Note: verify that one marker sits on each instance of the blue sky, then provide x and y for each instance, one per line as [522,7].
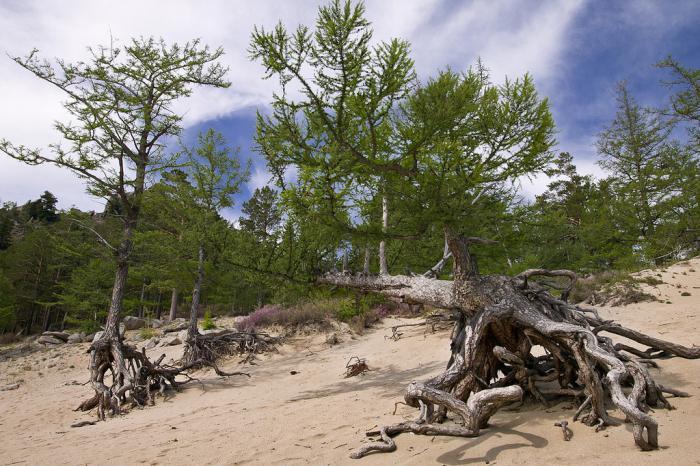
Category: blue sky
[576,50]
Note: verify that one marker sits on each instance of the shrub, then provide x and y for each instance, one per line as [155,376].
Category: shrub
[208,322]
[347,309]
[359,313]
[653,281]
[147,333]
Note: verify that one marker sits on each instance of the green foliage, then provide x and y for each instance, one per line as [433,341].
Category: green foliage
[443,153]
[208,322]
[358,128]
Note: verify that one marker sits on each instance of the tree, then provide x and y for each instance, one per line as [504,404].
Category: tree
[447,151]
[645,166]
[121,102]
[206,185]
[685,102]
[261,213]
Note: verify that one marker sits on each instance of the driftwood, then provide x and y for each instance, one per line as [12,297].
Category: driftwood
[355,366]
[499,320]
[430,321]
[568,433]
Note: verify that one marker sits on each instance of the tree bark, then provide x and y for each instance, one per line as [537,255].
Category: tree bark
[196,293]
[120,278]
[365,266]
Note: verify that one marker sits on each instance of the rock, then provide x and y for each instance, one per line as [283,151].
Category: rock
[48,340]
[155,323]
[133,323]
[76,338]
[97,336]
[175,326]
[89,336]
[182,335]
[13,386]
[170,341]
[152,343]
[122,329]
[215,332]
[63,336]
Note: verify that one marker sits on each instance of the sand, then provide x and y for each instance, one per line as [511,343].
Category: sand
[319,417]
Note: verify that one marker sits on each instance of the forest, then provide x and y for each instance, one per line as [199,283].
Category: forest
[385,189]
[56,273]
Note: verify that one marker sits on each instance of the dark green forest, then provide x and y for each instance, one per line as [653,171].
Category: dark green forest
[365,141]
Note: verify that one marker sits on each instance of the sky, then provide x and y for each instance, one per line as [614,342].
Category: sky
[576,51]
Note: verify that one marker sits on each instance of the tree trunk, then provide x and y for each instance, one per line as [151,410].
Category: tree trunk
[499,320]
[365,267]
[141,299]
[173,305]
[118,290]
[159,304]
[196,293]
[383,267]
[345,261]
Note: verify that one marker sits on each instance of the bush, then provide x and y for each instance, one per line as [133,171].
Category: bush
[208,322]
[358,313]
[147,333]
[653,281]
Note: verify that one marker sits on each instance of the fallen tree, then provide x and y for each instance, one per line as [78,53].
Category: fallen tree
[500,320]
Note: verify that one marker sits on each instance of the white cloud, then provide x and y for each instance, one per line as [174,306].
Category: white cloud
[259,178]
[510,40]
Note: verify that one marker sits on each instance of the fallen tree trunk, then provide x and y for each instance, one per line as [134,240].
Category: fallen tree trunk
[500,320]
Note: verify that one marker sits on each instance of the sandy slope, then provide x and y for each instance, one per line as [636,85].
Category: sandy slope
[318,417]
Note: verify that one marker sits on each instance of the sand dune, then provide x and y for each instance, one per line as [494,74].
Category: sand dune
[317,417]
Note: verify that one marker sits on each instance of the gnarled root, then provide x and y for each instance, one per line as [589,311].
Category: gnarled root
[121,376]
[474,414]
[208,349]
[500,320]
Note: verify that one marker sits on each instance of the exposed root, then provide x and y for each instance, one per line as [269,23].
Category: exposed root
[568,433]
[355,368]
[123,377]
[208,349]
[499,321]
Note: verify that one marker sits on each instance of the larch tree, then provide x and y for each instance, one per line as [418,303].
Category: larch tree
[122,107]
[650,175]
[202,189]
[445,151]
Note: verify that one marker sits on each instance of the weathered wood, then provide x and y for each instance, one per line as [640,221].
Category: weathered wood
[502,318]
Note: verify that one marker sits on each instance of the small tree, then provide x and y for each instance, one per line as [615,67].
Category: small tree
[122,106]
[201,190]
